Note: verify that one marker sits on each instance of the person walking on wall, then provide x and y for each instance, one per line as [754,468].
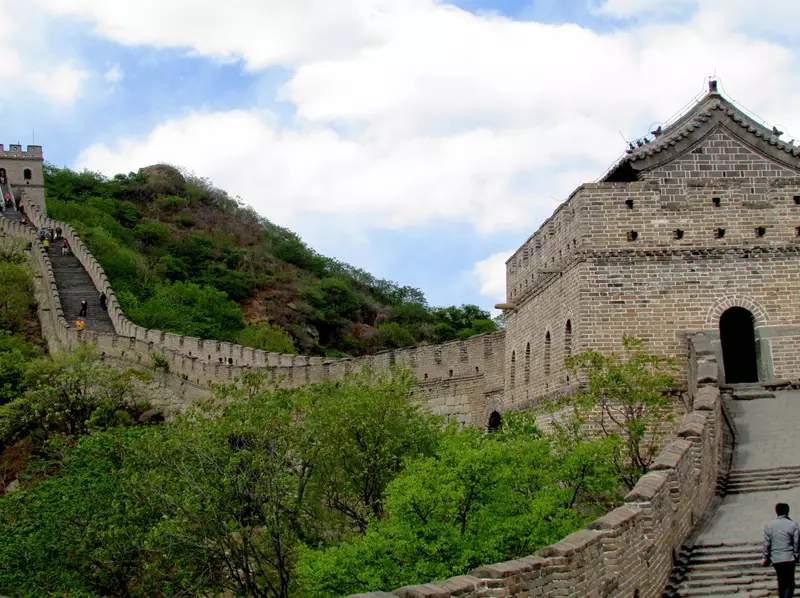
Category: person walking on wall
[46,244]
[782,548]
[84,307]
[79,325]
[103,301]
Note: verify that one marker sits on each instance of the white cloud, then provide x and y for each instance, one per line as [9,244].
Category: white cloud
[457,116]
[30,64]
[114,75]
[262,32]
[623,9]
[491,273]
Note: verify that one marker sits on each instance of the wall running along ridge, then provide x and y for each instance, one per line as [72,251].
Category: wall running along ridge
[631,550]
[461,380]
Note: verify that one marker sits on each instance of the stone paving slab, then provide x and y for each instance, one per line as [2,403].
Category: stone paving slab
[768,437]
[768,431]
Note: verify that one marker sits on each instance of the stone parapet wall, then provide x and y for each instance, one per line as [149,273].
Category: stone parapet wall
[456,376]
[631,550]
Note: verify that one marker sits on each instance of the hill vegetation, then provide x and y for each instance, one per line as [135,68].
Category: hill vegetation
[185,257]
[318,491]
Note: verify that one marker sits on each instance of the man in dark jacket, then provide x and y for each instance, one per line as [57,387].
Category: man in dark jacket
[781,548]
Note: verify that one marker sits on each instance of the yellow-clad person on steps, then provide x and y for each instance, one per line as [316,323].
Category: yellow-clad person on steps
[79,325]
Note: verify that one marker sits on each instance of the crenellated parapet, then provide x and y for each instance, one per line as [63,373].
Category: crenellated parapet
[14,151]
[455,377]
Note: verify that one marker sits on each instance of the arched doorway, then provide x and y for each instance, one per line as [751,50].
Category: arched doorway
[495,421]
[737,334]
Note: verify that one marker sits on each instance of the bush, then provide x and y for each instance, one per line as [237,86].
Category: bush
[188,308]
[17,303]
[267,337]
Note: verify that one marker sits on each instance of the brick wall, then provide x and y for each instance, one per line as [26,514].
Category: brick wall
[659,258]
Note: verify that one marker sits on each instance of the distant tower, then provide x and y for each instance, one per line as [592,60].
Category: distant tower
[24,171]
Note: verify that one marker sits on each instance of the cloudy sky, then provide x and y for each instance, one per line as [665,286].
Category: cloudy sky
[422,140]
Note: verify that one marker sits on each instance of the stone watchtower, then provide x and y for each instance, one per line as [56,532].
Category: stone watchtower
[23,170]
[696,228]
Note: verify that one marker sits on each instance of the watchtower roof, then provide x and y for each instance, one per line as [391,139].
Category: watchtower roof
[664,145]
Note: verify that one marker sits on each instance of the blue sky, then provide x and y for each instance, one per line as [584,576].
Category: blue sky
[418,139]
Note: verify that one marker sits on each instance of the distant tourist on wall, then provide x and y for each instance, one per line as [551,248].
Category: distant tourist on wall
[782,548]
[46,244]
[41,235]
[20,207]
[84,307]
[79,325]
[58,232]
[103,301]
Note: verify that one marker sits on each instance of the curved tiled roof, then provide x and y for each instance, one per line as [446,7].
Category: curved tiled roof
[695,124]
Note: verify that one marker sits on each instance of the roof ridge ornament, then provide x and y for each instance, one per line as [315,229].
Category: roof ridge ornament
[712,86]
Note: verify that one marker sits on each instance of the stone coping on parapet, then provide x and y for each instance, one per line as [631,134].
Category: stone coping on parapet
[629,551]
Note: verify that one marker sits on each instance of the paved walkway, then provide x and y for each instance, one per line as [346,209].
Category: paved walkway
[768,437]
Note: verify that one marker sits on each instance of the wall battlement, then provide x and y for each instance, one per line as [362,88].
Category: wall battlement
[31,152]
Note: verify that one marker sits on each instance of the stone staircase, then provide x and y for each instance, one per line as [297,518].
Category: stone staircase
[715,570]
[73,284]
[705,570]
[762,480]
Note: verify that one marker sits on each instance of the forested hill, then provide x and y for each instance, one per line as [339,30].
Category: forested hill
[185,257]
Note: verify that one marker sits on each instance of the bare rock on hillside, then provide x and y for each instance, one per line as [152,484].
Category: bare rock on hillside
[166,179]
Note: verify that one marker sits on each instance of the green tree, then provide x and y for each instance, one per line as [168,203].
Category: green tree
[364,429]
[76,535]
[626,396]
[71,394]
[480,499]
[17,302]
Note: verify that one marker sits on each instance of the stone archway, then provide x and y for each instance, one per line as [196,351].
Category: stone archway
[495,421]
[737,335]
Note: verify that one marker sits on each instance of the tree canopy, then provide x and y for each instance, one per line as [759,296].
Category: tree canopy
[189,259]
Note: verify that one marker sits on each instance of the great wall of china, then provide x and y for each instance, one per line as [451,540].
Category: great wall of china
[644,251]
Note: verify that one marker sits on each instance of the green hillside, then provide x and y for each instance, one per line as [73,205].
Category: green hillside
[185,257]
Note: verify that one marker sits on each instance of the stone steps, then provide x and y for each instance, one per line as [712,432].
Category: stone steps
[762,480]
[73,284]
[731,569]
[721,570]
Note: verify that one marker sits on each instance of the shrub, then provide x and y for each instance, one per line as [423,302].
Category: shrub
[267,337]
